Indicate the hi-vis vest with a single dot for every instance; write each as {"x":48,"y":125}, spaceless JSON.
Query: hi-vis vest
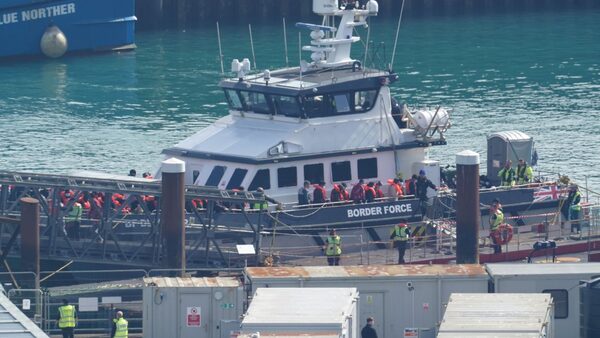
{"x":575,"y":206}
{"x":67,"y":316}
{"x":122,"y":331}
{"x":524,"y":174}
{"x":75,"y":213}
{"x":499,"y":220}
{"x":507,"y":176}
{"x":333,"y":246}
{"x":400,"y":233}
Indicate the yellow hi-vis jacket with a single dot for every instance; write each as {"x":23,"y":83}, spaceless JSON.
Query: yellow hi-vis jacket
{"x":67,"y":316}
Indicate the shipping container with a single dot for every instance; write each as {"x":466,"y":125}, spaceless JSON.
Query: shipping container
{"x":498,"y":315}
{"x":399,"y":297}
{"x":558,"y":280}
{"x":192,"y":307}
{"x":302,"y":312}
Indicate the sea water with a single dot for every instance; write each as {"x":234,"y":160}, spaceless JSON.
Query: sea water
{"x":537,"y":72}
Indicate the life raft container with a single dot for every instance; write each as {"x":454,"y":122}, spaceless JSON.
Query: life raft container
{"x":503,"y":234}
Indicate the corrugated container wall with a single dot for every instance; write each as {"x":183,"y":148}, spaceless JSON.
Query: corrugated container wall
{"x":559,"y":280}
{"x":498,"y":315}
{"x":302,"y":312}
{"x":397,"y":296}
{"x":192,"y":307}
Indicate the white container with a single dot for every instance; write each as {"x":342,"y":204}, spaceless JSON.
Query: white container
{"x":397,"y":296}
{"x":302,"y":312}
{"x":560,"y":280}
{"x":498,"y":315}
{"x":192,"y":307}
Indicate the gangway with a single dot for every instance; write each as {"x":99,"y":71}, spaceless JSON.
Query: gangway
{"x":124,"y":230}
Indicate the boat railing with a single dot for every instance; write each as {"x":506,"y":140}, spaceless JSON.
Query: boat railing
{"x":435,"y":242}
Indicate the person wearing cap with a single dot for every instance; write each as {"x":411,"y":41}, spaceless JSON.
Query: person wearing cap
{"x":507,"y":175}
{"x":422,"y":184}
{"x":67,"y":319}
{"x":303,"y":194}
{"x":574,"y":208}
{"x":368,"y":331}
{"x":132,"y":173}
{"x":524,"y":172}
{"x":400,"y":234}
{"x":120,"y":328}
{"x":333,"y":248}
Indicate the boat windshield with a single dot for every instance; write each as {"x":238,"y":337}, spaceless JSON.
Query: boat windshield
{"x":313,"y":106}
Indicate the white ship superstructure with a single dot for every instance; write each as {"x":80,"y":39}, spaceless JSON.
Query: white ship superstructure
{"x":331,"y":120}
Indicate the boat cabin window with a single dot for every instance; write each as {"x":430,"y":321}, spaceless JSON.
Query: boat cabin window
{"x":287,"y":177}
{"x":195,"y":175}
{"x":261,"y":179}
{"x":237,"y":178}
{"x":286,"y":106}
{"x":364,"y":100}
{"x":314,"y":173}
{"x":341,"y":103}
{"x":317,"y":106}
{"x":233,"y":99}
{"x":256,"y":102}
{"x":560,"y":298}
{"x":215,"y":176}
{"x":367,"y":168}
{"x":340,"y":171}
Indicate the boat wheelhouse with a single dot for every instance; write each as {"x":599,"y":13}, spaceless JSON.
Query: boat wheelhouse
{"x":331,"y":120}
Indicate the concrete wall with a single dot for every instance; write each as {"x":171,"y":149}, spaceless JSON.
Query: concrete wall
{"x":186,"y":13}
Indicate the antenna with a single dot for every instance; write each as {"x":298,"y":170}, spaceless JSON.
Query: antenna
{"x":396,"y":40}
{"x":220,"y":49}
{"x":287,"y":61}
{"x":252,"y":45}
{"x":300,"y":55}
{"x":367,"y":45}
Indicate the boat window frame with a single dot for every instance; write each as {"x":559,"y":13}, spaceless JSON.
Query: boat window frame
{"x":335,"y":177}
{"x":330,"y":97}
{"x":238,"y":181}
{"x":216,"y":174}
{"x":269,"y":104}
{"x":360,"y":168}
{"x":311,"y":179}
{"x":228,"y":92}
{"x":254,"y":184}
{"x":276,"y":108}
{"x":295,"y":177}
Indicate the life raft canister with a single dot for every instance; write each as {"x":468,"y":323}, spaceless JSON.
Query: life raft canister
{"x":54,"y":43}
{"x":503,"y":235}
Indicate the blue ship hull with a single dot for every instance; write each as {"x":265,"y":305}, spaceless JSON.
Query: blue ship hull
{"x":89,"y":25}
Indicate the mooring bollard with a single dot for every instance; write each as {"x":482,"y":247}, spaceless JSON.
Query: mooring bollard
{"x":173,"y":213}
{"x":467,"y":207}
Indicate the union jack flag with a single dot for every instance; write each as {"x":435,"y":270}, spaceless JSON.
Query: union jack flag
{"x":547,"y":193}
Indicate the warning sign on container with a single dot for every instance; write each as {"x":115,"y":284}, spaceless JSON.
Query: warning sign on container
{"x":194,"y":318}
{"x":411,"y":332}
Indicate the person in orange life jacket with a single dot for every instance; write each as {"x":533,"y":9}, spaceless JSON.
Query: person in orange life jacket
{"x":147,"y":175}
{"x":394,"y":188}
{"x":421,"y":191}
{"x":336,"y":194}
{"x":344,"y":191}
{"x":411,"y":186}
{"x":303,"y":195}
{"x":370,"y":192}
{"x":358,"y":192}
{"x":378,"y":191}
{"x":319,"y":194}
